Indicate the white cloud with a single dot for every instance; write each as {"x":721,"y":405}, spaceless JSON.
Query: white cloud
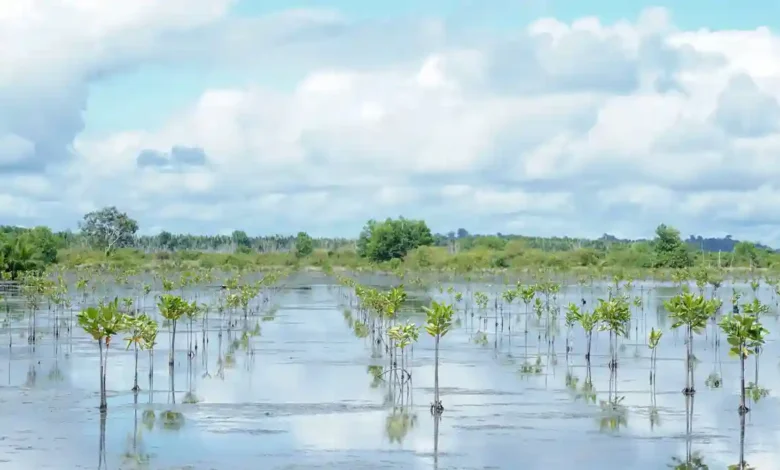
{"x":585,"y":127}
{"x":50,"y":50}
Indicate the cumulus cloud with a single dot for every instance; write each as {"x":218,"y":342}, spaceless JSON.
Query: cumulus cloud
{"x":52,"y":51}
{"x":572,"y":128}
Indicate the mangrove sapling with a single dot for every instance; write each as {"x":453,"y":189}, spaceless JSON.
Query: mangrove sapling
{"x":527,"y":293}
{"x":481,"y":299}
{"x":637,"y":303}
{"x":744,"y":334}
{"x":389,"y":304}
{"x":149,"y":333}
{"x":403,"y":336}
{"x":754,"y":286}
{"x":192,"y":314}
{"x":102,"y":323}
{"x":172,"y":308}
{"x":33,"y":288}
{"x":438,"y":324}
{"x":143,"y":331}
{"x":539,"y":310}
{"x":692,"y":311}
{"x":652,"y":343}
{"x":756,"y":309}
{"x":587,"y":320}
{"x":509,"y":296}
{"x":614,"y":315}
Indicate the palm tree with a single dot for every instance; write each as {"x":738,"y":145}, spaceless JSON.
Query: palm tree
{"x":438,"y":324}
{"x":102,"y":323}
{"x":20,"y":257}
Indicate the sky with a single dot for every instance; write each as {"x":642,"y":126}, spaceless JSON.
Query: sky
{"x":539,"y":117}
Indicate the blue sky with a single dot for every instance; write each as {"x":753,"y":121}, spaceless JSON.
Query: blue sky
{"x":503,"y":115}
{"x":153,"y":92}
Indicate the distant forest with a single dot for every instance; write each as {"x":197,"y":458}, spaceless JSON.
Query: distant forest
{"x":603,"y":243}
{"x":457,"y":240}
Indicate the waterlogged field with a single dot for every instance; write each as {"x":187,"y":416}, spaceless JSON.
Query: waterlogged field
{"x":299,"y":384}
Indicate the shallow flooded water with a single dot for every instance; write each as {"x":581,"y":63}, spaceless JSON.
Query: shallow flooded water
{"x":300,"y":394}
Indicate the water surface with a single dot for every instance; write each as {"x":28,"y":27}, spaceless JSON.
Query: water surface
{"x":300,"y":396}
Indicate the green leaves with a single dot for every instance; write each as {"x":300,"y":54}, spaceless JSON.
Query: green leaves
{"x":745,"y":333}
{"x":404,"y":335}
{"x":527,"y":293}
{"x":394,"y":299}
{"x":670,"y":251}
{"x":143,"y":331}
{"x":655,"y":338}
{"x":614,"y":315}
{"x":384,"y":304}
{"x":755,"y":308}
{"x":104,"y":321}
{"x":108,"y":229}
{"x":481,"y":299}
{"x":173,"y":307}
{"x":509,"y":296}
{"x":438,"y":319}
{"x":573,"y":315}
{"x":393,"y":238}
{"x":588,"y":320}
{"x":691,"y":310}
{"x":304,"y":245}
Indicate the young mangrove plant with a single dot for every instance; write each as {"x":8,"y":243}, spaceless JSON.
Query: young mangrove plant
{"x":402,"y":336}
{"x":139,"y":329}
{"x":692,"y":311}
{"x":527,"y":294}
{"x":438,"y":324}
{"x":587,"y":320}
{"x":172,"y":308}
{"x":744,"y":334}
{"x":102,"y":323}
{"x":756,"y":309}
{"x":149,"y":334}
{"x":652,"y":343}
{"x":614,"y":315}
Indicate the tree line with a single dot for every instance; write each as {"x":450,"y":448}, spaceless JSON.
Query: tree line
{"x":388,"y":241}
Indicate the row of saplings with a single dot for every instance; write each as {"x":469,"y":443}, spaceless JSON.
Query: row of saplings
{"x":107,"y":320}
{"x":744,"y":331}
{"x":385,"y":306}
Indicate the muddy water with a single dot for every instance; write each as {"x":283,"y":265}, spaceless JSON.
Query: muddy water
{"x":299,"y":395}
